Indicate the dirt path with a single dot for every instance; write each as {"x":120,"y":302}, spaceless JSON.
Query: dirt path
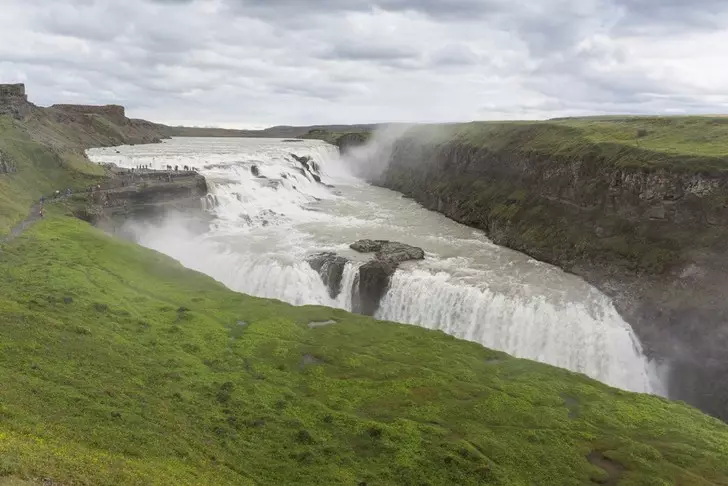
{"x":122,"y":178}
{"x":23,"y":225}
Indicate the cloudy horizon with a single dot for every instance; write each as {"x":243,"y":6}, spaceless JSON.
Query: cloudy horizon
{"x":257,"y":63}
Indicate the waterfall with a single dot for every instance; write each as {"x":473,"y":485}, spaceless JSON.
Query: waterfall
{"x":271,"y":214}
{"x":592,"y":340}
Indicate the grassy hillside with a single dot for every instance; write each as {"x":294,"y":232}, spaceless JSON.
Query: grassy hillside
{"x":41,"y":170}
{"x":119,"y":366}
{"x":681,"y":143}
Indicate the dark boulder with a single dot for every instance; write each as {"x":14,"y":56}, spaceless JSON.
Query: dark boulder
{"x":331,"y":268}
{"x":372,"y":285}
{"x":304,"y":161}
{"x":255,"y":170}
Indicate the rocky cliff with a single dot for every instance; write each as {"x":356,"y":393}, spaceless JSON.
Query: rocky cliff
{"x":146,"y":196}
{"x":76,"y":127}
{"x":115,"y":113}
{"x":650,"y":229}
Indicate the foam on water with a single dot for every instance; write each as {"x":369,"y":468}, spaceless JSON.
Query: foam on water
{"x":265,"y":227}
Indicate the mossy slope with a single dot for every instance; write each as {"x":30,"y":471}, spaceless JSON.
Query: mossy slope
{"x":40,"y":170}
{"x":119,"y":366}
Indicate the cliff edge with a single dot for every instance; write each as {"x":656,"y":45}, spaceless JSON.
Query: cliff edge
{"x":636,"y":206}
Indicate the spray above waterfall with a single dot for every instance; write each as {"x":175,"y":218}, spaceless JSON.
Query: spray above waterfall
{"x":271,"y":215}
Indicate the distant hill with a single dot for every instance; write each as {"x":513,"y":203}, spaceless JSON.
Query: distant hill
{"x":281,"y":131}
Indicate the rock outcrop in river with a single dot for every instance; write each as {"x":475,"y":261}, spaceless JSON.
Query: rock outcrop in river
{"x":373,"y":277}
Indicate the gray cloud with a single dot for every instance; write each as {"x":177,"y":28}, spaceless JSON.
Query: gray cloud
{"x":264,"y":62}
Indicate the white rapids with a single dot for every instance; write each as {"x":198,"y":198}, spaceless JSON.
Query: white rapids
{"x":265,"y":227}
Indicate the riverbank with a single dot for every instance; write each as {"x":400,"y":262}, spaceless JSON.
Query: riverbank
{"x":636,"y":206}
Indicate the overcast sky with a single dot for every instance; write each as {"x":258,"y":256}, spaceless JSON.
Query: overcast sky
{"x":253,"y":63}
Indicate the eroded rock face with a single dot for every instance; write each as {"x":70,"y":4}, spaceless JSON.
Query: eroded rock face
{"x":304,"y":160}
{"x":309,"y":168}
{"x":331,"y":268}
{"x":652,"y":239}
{"x":372,"y":285}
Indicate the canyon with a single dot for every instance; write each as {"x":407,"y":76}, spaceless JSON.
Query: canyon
{"x":646,"y":227}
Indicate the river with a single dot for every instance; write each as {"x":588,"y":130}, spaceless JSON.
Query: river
{"x":265,"y":227}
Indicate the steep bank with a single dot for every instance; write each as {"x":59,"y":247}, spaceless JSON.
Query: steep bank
{"x":638,"y":207}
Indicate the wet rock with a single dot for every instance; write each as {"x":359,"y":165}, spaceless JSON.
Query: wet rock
{"x":274,"y":184}
{"x":389,"y":250}
{"x":331,"y":268}
{"x":373,"y":283}
{"x":304,"y":161}
{"x":373,"y":279}
{"x":316,"y":177}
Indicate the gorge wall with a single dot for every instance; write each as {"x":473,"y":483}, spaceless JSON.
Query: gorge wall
{"x":146,"y":197}
{"x":651,"y":236}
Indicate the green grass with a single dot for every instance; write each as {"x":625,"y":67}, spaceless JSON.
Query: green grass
{"x":119,"y":366}
{"x":693,"y":143}
{"x":40,"y":171}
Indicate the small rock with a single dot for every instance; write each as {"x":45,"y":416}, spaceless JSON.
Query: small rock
{"x":309,"y":359}
{"x":314,"y":324}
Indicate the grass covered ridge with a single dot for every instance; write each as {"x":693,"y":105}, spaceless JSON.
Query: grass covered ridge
{"x":40,"y":171}
{"x":688,"y":143}
{"x":119,"y":366}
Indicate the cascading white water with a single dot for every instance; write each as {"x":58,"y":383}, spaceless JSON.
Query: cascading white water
{"x":594,"y":341}
{"x":271,"y":213}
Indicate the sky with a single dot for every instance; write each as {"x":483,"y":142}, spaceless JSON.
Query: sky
{"x":257,"y":63}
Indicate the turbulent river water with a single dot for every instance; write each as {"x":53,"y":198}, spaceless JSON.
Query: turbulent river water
{"x":265,"y":227}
